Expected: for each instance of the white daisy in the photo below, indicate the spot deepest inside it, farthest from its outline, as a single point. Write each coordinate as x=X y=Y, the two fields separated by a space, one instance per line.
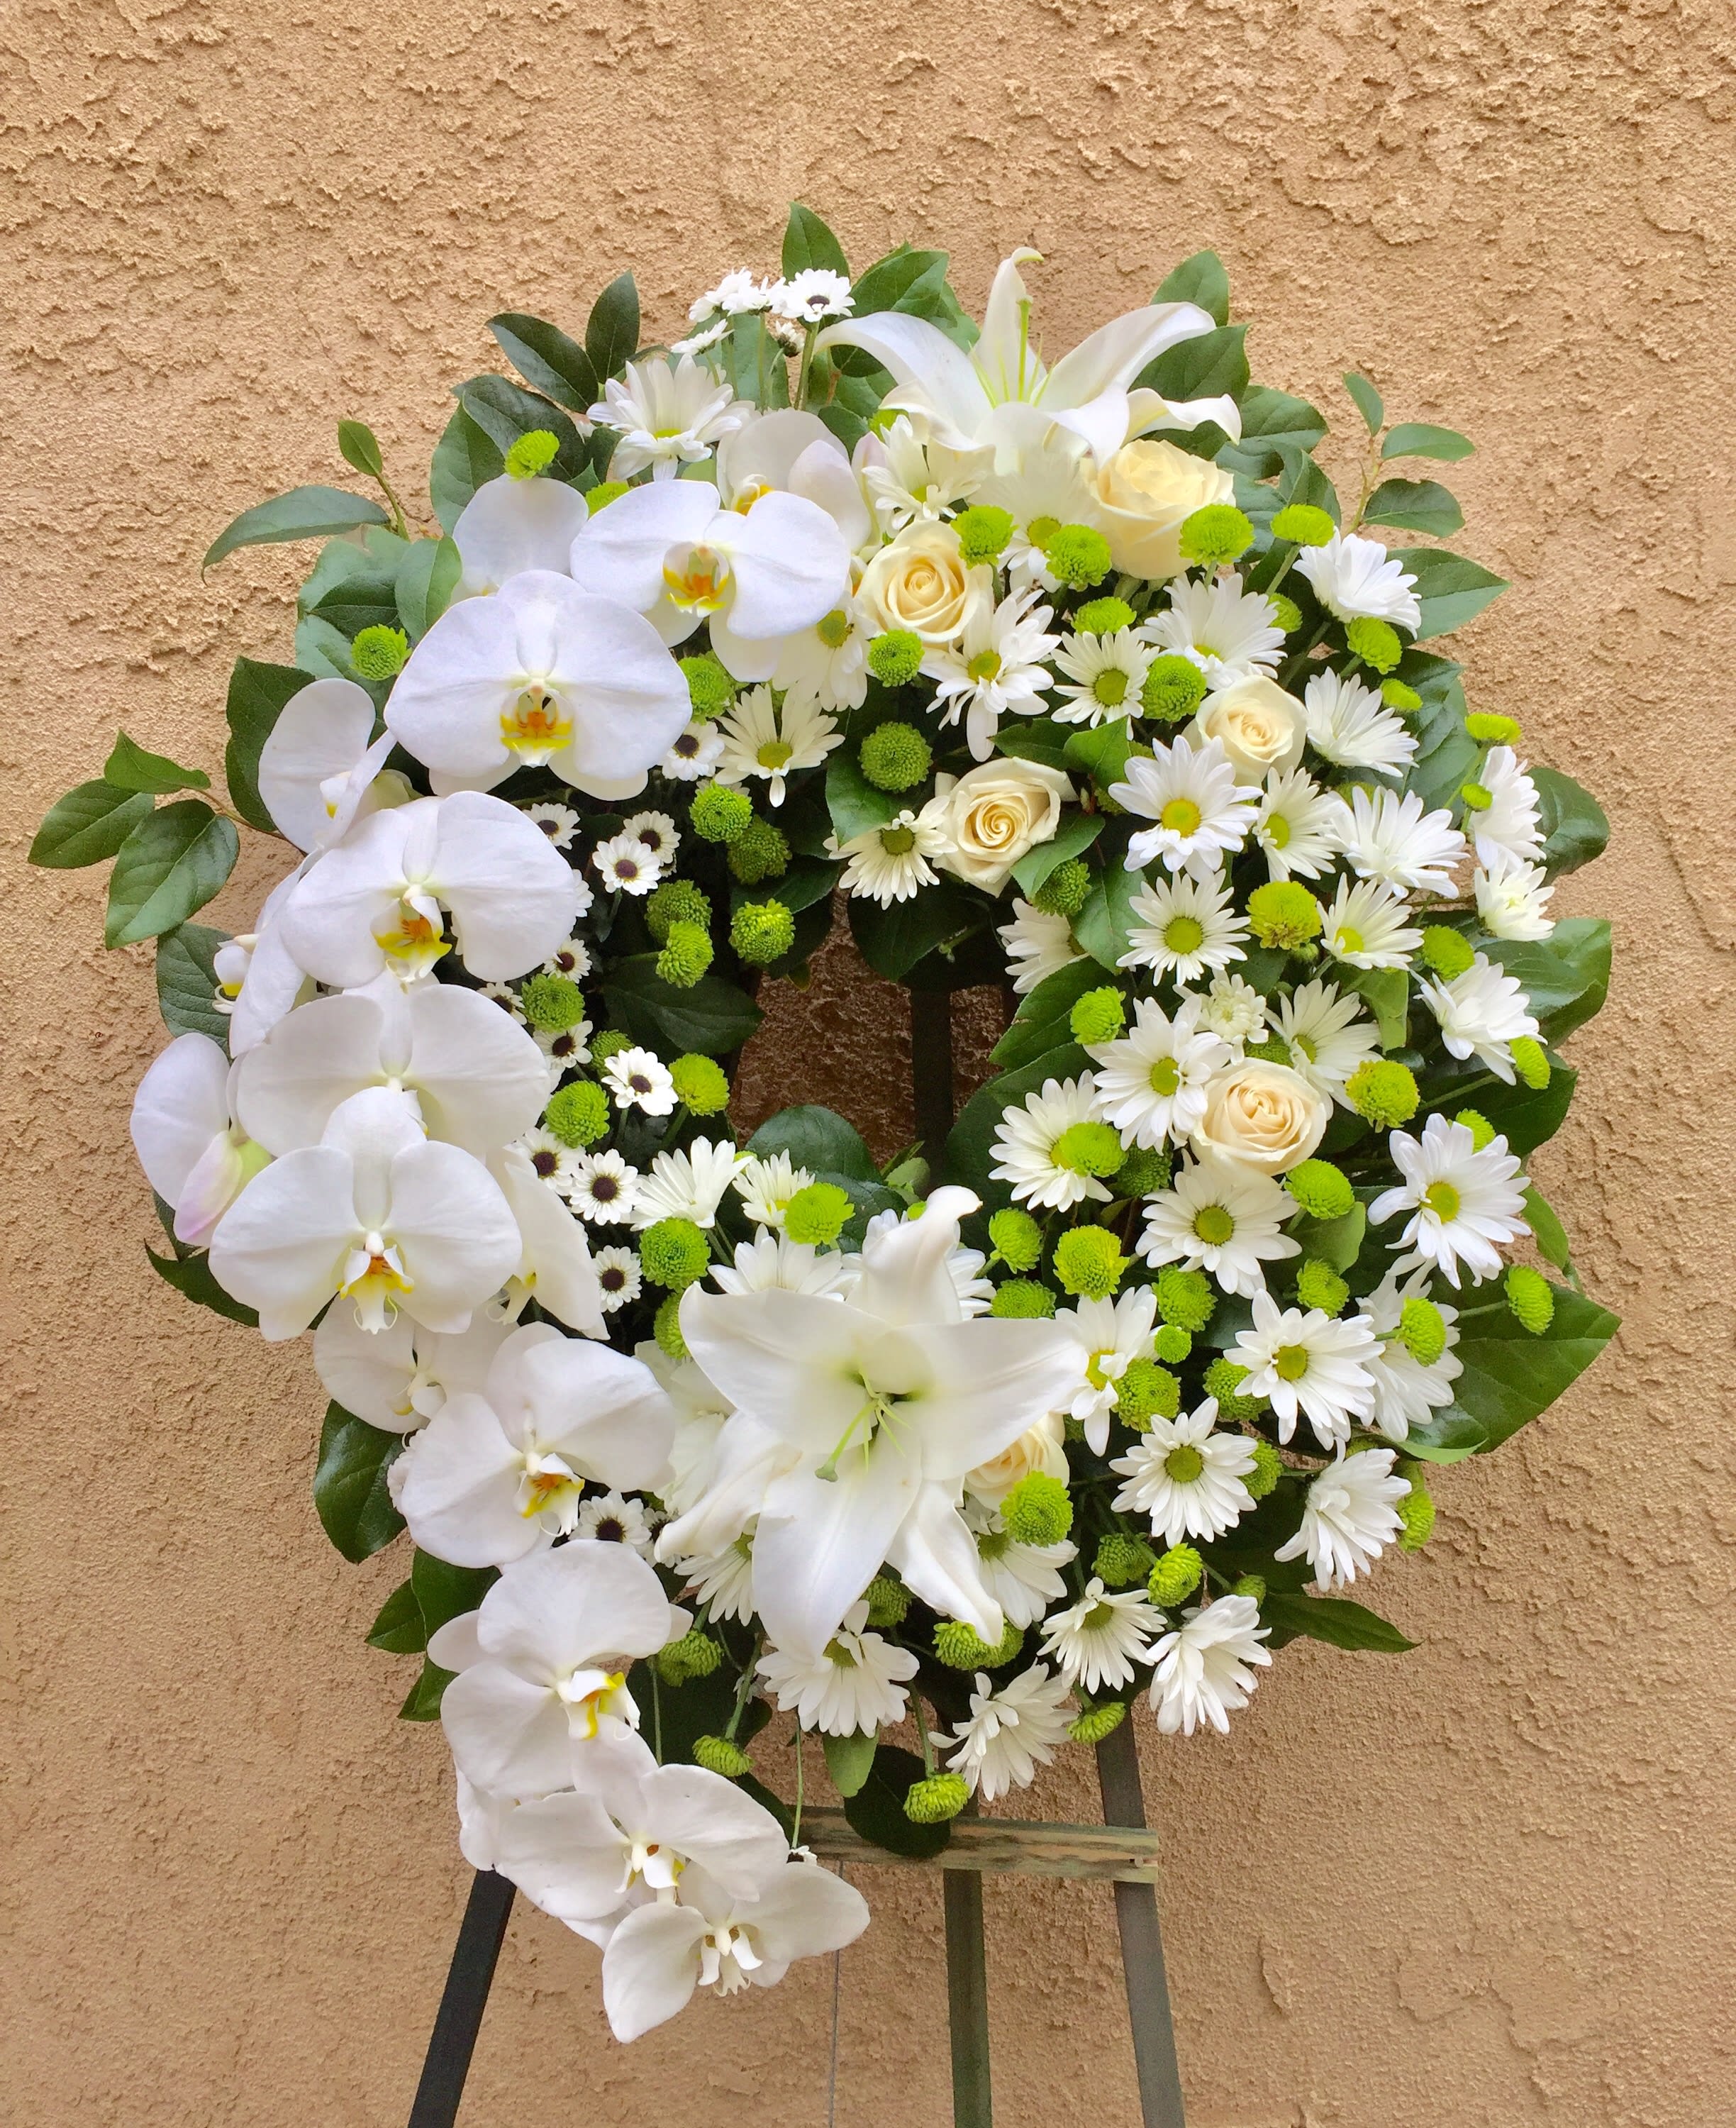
x=1030 y=1137
x=1481 y=1014
x=1233 y=1010
x=695 y=753
x=1101 y=1640
x=1151 y=1083
x=624 y=865
x=618 y=1277
x=1299 y=826
x=735 y=293
x=688 y=1185
x=1037 y=943
x=909 y=478
x=1353 y=577
x=995 y=667
x=1349 y=1518
x=857 y=1683
x=611 y=1518
x=1305 y=1362
x=1222 y=1217
x=1511 y=821
x=556 y=1164
x=965 y=1268
x=767 y=1184
x=772 y=1262
x=1327 y=1036
x=1110 y=1335
x=505 y=996
x=667 y=416
x=1391 y=838
x=1204 y=1670
x=1187 y=1476
x=559 y=822
x=892 y=864
x=603 y=1188
x=722 y=1581
x=696 y=343
x=1349 y=723
x=1103 y=677
x=1202 y=814
x=1365 y=927
x=1012 y=1731
x=566 y=1047
x=1512 y=897
x=1463 y=1203
x=658 y=834
x=762 y=740
x=1406 y=1392
x=1230 y=633
x=1184 y=928
x=827 y=663
x=639 y=1079
x=1044 y=485
x=814 y=293
x=1023 y=1579
x=572 y=960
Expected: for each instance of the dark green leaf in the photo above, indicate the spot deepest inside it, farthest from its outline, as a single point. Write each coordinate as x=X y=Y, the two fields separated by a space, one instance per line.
x=445 y=1592
x=504 y=411
x=876 y=1811
x=1042 y=1022
x=1102 y=924
x=1034 y=739
x=1446 y=755
x=1303 y=481
x=757 y=366
x=1276 y=426
x=808 y=881
x=1575 y=827
x=1077 y=832
x=1100 y=751
x=1450 y=1436
x=304 y=513
x=892 y=940
x=547 y=360
x=612 y=330
x=1202 y=368
x=422 y=1704
x=714 y=1018
x=1525 y=1118
x=427 y=578
x=350 y=1494
x=186 y=981
x=1451 y=589
x=1566 y=978
x=1200 y=279
x=89 y=824
x=361 y=448
x=130 y=767
x=1336 y=1241
x=465 y=458
x=1422 y=439
x=855 y=805
x=1508 y=1375
x=1387 y=993
x=170 y=865
x=808 y=242
x=364 y=599
x=970 y=1148
x=849 y=1759
x=192 y=1276
x=1331 y=1618
x=1369 y=402
x=257 y=694
x=1547 y=1230
x=818 y=1139
x=399 y=1628
x=901 y=274
x=322 y=651
x=1413 y=506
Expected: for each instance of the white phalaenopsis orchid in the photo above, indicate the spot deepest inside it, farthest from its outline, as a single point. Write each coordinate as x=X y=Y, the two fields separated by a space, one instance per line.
x=258 y=979
x=887 y=1399
x=377 y=1212
x=669 y=551
x=541 y=672
x=479 y=1080
x=375 y=902
x=196 y=1157
x=495 y=1475
x=553 y=1642
x=510 y=525
x=398 y=1378
x=959 y=394
x=794 y=453
x=320 y=766
x=554 y=1266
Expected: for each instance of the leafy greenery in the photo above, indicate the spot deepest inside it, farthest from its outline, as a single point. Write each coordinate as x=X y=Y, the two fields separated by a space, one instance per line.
x=89 y=825
x=304 y=513
x=350 y=1494
x=169 y=866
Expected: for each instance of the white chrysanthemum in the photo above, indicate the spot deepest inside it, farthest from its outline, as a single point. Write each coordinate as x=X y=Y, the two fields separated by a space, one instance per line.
x=637 y=1079
x=1366 y=926
x=1151 y=1084
x=772 y=1262
x=689 y=1184
x=1349 y=723
x=1103 y=675
x=696 y=343
x=767 y=1184
x=618 y=1277
x=1027 y=1139
x=612 y=1518
x=1187 y=1477
x=1350 y=1517
x=1013 y=1730
x=1110 y=1335
x=1205 y=1669
x=1391 y=838
x=1184 y=928
x=994 y=668
x=572 y=959
x=1481 y=1014
x=500 y=994
x=1327 y=1036
x=723 y=1581
x=1354 y=578
x=1513 y=897
x=1230 y=633
x=565 y=1048
x=813 y=294
x=603 y=1188
x=1100 y=1641
x=625 y=866
x=1511 y=821
x=1307 y=1363
x=550 y=1161
x=1299 y=826
x=1233 y=1010
x=735 y=293
x=827 y=664
x=695 y=755
x=1222 y=1217
x=909 y=478
x=1037 y=943
x=965 y=1268
x=1464 y=1205
x=1023 y=1579
x=1407 y=1391
x=857 y=1683
x=559 y=822
x=762 y=740
x=657 y=831
x=1202 y=814
x=892 y=864
x=667 y=416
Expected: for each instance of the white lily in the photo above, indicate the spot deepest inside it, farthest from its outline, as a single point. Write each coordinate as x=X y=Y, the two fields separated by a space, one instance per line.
x=195 y=1156
x=399 y=1377
x=509 y=526
x=375 y=1212
x=496 y=1475
x=554 y=1265
x=886 y=1399
x=320 y=766
x=542 y=671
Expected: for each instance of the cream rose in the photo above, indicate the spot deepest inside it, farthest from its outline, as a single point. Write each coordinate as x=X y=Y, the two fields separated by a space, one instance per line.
x=1143 y=494
x=1040 y=1448
x=919 y=581
x=992 y=815
x=1265 y=1116
x=1260 y=727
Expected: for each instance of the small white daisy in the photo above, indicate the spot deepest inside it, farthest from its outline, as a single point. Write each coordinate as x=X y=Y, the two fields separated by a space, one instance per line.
x=603 y=1189
x=1464 y=1205
x=827 y=664
x=1103 y=675
x=1327 y=1036
x=1481 y=1014
x=909 y=479
x=763 y=740
x=1184 y=928
x=1350 y=1517
x=737 y=293
x=1365 y=927
x=1407 y=1392
x=814 y=293
x=572 y=960
x=667 y=415
x=1307 y=1363
x=697 y=343
x=766 y=1186
x=1391 y=838
x=618 y=1277
x=689 y=1184
x=505 y=996
x=1037 y=943
x=1187 y=1476
x=1151 y=1083
x=559 y=822
x=1354 y=578
x=995 y=669
x=1110 y=1335
x=638 y=1080
x=695 y=753
x=1099 y=1641
x=658 y=834
x=1513 y=897
x=1023 y=1579
x=723 y=1581
x=555 y=1163
x=1349 y=723
x=1299 y=826
x=1202 y=814
x=1222 y=1217
x=892 y=864
x=1031 y=1146
x=1233 y=1010
x=1230 y=633
x=772 y=1262
x=611 y=1518
x=625 y=866
x=1510 y=821
x=1012 y=1731
x=1205 y=1669
x=566 y=1047
x=856 y=1682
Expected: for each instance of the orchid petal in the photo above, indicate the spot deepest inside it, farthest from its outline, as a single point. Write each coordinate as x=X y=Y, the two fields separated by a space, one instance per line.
x=823 y=475
x=652 y=1966
x=571 y=1608
x=745 y=660
x=274 y=981
x=322 y=732
x=510 y=525
x=368 y=1372
x=512 y=894
x=458 y=1238
x=554 y=1257
x=218 y=1176
x=804 y=1912
x=703 y=1814
x=508 y=1734
x=565 y=1856
x=601 y=1410
x=322 y=1053
x=790 y=565
x=328 y=922
x=479 y=1077
x=281 y=1246
x=459 y=1492
x=763 y=453
x=182 y=1105
x=454 y=1646
x=620 y=553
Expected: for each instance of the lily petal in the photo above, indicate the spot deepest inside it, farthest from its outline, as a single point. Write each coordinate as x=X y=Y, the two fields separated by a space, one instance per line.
x=919 y=355
x=820 y=1542
x=1110 y=359
x=936 y=1555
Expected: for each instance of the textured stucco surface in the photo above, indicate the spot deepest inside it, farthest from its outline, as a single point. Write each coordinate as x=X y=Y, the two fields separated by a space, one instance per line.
x=1488 y=1883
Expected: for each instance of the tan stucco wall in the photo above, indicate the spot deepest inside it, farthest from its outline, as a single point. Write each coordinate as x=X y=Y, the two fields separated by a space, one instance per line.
x=1490 y=1884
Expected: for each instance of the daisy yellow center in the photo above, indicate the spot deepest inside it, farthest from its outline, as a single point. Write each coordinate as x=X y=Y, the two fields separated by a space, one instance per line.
x=1278 y=832
x=1184 y=934
x=1165 y=1076
x=837 y=1653
x=1110 y=687
x=1094 y=1373
x=775 y=754
x=696 y=578
x=1213 y=1225
x=1291 y=1362
x=1442 y=1199
x=834 y=631
x=535 y=727
x=1181 y=816
x=986 y=665
x=993 y=1544
x=1184 y=1464
x=898 y=842
x=1097 y=1616
x=1347 y=940
x=1306 y=1044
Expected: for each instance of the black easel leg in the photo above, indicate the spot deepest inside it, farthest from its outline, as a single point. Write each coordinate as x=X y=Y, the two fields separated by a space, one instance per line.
x=1142 y=1944
x=462 y=2002
x=931 y=1070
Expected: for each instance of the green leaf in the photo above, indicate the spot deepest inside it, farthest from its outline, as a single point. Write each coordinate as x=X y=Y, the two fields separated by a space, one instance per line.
x=257 y=694
x=1200 y=279
x=1508 y=1375
x=612 y=330
x=849 y=1759
x=1450 y=1436
x=170 y=865
x=304 y=513
x=504 y=411
x=714 y=1018
x=427 y=578
x=1525 y=1118
x=1100 y=751
x=1102 y=926
x=1336 y=1241
x=808 y=242
x=818 y=1139
x=1575 y=827
x=757 y=368
x=1413 y=506
x=1276 y=427
x=322 y=651
x=1387 y=992
x=445 y=1592
x=191 y=1275
x=904 y=280
x=1422 y=439
x=876 y=1811
x=89 y=824
x=361 y=448
x=364 y=599
x=1547 y=1230
x=1077 y=832
x=130 y=767
x=1034 y=739
x=702 y=1707
x=1202 y=368
x=1303 y=481
x=350 y=1494
x=1446 y=754
x=808 y=881
x=1566 y=978
x=854 y=804
x=547 y=360
x=970 y=1148
x=1331 y=1618
x=465 y=458
x=186 y=981
x=422 y=1704
x=936 y=919
x=399 y=1629
x=1368 y=402
x=1450 y=589
x=1043 y=1022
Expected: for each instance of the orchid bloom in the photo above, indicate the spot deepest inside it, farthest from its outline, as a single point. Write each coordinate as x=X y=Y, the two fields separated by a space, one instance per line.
x=542 y=671
x=510 y=525
x=195 y=1156
x=554 y=1266
x=959 y=395
x=794 y=453
x=320 y=764
x=887 y=1398
x=376 y=1213
x=553 y=1642
x=495 y=1475
x=258 y=979
x=398 y=1378
x=479 y=1080
x=669 y=551
x=374 y=903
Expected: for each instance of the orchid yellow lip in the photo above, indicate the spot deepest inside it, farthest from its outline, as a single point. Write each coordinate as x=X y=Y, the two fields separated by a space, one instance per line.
x=696 y=578
x=536 y=727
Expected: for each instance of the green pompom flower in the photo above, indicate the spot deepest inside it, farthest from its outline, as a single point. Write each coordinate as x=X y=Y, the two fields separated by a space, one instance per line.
x=1016 y=1239
x=895 y=658
x=604 y=493
x=1322 y=1190
x=1384 y=1092
x=1066 y=889
x=1146 y=1168
x=1171 y=1343
x=667 y=1328
x=983 y=532
x=1214 y=536
x=701 y=1084
x=1175 y=1576
x=1530 y=1298
x=1172 y=689
x=934 y=1800
x=1303 y=526
x=1477 y=797
x=717 y=1755
x=889 y=1602
x=760 y=931
x=1186 y=1297
x=1422 y=1330
x=1038 y=1511
x=817 y=1214
x=1251 y=1585
x=1021 y=1300
x=1121 y=1560
x=694 y=1654
x=675 y=902
x=552 y=1003
x=720 y=813
x=1448 y=952
x=1103 y=616
x=1481 y=1130
x=1318 y=1285
x=609 y=1043
x=675 y=1253
x=1489 y=730
x=379 y=652
x=1416 y=1513
x=577 y=1113
x=686 y=954
x=1396 y=696
x=1093 y=1149
x=1088 y=1262
x=1146 y=1391
x=1078 y=556
x=1100 y=1015
x=1529 y=1062
x=1286 y=613
x=1284 y=914
x=960 y=1646
x=527 y=455
x=759 y=852
x=710 y=688
x=895 y=757
x=1268 y=1467
x=1098 y=1722
x=1377 y=642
